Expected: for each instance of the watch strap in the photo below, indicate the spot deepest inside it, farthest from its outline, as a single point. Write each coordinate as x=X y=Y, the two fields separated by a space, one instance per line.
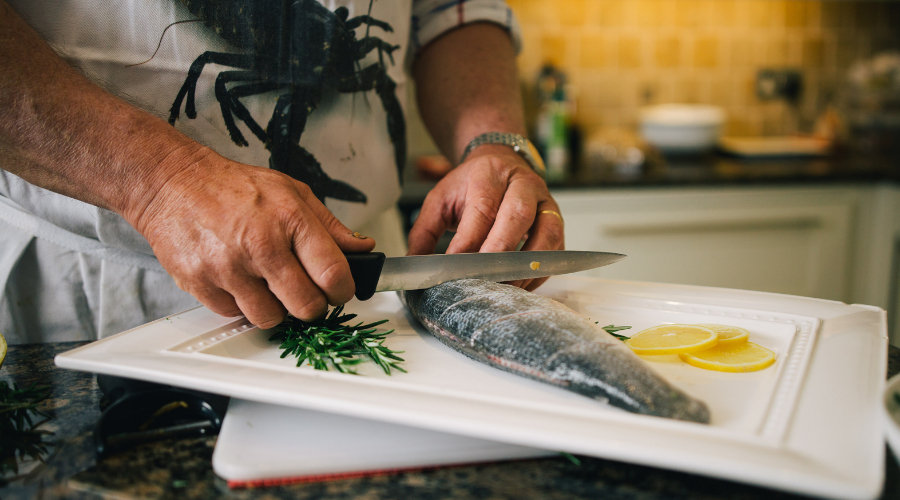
x=518 y=143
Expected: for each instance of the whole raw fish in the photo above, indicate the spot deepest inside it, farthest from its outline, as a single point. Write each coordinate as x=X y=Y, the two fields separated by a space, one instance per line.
x=535 y=336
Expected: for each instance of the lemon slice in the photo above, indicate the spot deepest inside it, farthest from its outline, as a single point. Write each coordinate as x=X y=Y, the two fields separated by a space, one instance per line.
x=746 y=357
x=2 y=349
x=672 y=339
x=729 y=335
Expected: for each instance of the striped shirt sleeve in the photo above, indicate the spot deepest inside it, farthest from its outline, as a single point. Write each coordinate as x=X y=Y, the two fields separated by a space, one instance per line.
x=432 y=18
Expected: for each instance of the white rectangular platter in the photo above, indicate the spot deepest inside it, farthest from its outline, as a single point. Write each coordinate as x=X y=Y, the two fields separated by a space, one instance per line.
x=808 y=424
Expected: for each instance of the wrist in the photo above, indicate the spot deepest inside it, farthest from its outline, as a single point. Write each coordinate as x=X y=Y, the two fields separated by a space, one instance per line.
x=518 y=144
x=490 y=149
x=154 y=165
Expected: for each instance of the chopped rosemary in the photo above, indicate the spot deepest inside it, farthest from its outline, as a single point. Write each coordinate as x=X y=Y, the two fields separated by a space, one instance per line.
x=20 y=438
x=610 y=329
x=328 y=342
x=571 y=458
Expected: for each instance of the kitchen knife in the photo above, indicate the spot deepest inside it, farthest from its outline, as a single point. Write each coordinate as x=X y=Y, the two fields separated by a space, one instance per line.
x=373 y=272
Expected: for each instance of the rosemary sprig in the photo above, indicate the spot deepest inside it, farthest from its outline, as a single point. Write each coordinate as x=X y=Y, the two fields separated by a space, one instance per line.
x=571 y=458
x=20 y=437
x=328 y=342
x=610 y=329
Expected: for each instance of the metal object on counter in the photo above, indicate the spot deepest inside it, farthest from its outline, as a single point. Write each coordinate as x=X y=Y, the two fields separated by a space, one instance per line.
x=870 y=104
x=616 y=152
x=141 y=412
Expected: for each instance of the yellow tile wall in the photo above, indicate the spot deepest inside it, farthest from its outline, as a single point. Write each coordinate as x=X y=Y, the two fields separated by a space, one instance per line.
x=623 y=54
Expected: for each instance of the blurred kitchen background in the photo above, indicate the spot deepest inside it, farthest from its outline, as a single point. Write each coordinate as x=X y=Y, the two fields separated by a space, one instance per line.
x=750 y=144
x=623 y=54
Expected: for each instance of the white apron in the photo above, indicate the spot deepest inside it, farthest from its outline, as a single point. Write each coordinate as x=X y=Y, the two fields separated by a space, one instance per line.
x=72 y=271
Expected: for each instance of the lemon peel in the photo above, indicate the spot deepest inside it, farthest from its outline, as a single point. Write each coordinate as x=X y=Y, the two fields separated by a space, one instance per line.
x=729 y=335
x=672 y=339
x=744 y=357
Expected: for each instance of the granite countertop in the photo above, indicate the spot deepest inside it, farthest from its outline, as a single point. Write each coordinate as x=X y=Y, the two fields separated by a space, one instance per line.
x=181 y=468
x=712 y=170
x=720 y=169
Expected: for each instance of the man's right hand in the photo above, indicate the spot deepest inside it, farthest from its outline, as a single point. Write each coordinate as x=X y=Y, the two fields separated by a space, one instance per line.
x=241 y=239
x=248 y=240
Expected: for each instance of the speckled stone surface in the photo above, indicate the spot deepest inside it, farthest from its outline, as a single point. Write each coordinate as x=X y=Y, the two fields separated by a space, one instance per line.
x=181 y=469
x=72 y=408
x=713 y=170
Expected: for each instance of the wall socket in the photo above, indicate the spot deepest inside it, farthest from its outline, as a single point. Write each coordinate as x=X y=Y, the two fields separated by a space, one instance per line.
x=784 y=84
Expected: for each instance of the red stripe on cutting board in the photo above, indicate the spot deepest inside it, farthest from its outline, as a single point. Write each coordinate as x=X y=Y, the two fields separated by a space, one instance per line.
x=318 y=478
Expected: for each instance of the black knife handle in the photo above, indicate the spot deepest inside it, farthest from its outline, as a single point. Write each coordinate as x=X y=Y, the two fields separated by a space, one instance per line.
x=366 y=269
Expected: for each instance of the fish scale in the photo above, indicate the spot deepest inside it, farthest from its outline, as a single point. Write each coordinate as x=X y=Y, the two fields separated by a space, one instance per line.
x=536 y=337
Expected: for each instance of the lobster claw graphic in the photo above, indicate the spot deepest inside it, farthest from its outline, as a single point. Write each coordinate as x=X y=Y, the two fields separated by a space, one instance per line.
x=300 y=49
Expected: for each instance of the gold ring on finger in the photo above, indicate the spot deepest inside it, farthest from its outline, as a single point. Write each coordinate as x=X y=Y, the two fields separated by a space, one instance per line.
x=553 y=213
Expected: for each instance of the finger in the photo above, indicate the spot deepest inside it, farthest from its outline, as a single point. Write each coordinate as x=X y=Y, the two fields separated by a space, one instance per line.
x=218 y=301
x=532 y=285
x=517 y=283
x=317 y=249
x=514 y=218
x=548 y=230
x=258 y=303
x=347 y=240
x=547 y=233
x=430 y=225
x=479 y=213
x=189 y=277
x=291 y=285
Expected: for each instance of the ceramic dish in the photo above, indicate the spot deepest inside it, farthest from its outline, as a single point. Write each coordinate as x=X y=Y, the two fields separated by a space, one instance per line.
x=682 y=128
x=811 y=423
x=775 y=147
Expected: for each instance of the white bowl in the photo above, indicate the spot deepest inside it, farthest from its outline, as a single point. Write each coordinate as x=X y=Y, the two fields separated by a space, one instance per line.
x=682 y=128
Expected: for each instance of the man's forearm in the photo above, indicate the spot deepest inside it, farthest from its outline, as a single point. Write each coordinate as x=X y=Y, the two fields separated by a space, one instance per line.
x=60 y=131
x=466 y=84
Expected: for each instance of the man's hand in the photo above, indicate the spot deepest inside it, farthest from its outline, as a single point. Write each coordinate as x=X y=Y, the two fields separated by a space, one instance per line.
x=241 y=239
x=249 y=240
x=493 y=200
x=466 y=85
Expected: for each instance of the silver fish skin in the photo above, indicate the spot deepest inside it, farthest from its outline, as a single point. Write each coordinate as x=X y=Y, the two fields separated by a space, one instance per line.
x=537 y=337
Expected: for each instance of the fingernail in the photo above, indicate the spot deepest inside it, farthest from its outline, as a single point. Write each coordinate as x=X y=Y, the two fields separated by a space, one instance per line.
x=358 y=236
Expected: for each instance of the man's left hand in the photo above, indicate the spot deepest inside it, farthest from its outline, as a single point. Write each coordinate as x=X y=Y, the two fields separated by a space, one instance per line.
x=493 y=201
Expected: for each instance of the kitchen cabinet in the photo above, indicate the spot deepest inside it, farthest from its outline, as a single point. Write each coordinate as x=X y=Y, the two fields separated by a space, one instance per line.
x=832 y=242
x=878 y=255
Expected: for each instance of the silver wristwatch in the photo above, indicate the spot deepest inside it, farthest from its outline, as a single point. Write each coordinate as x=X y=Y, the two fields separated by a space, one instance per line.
x=519 y=144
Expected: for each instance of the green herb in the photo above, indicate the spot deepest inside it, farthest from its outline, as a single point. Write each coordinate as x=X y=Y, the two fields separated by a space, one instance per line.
x=328 y=342
x=571 y=458
x=610 y=329
x=20 y=438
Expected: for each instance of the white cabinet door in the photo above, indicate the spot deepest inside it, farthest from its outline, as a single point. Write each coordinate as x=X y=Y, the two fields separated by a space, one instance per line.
x=877 y=254
x=794 y=241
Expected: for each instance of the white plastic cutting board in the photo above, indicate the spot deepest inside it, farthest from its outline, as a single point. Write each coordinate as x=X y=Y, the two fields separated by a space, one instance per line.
x=264 y=444
x=808 y=424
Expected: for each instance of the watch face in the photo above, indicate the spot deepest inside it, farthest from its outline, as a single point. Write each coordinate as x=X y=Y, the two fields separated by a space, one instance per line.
x=538 y=161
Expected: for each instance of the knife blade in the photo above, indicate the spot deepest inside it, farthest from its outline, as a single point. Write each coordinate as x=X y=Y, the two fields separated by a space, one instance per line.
x=373 y=272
